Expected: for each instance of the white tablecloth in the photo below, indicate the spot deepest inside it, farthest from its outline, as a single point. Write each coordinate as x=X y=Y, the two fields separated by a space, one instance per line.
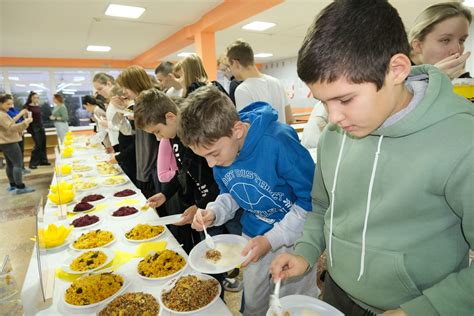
x=31 y=287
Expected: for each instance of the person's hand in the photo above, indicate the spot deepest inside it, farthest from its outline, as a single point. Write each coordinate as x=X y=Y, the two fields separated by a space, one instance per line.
x=28 y=120
x=395 y=312
x=113 y=160
x=118 y=102
x=109 y=150
x=23 y=112
x=287 y=265
x=157 y=200
x=52 y=118
x=203 y=218
x=259 y=246
x=454 y=65
x=130 y=117
x=187 y=216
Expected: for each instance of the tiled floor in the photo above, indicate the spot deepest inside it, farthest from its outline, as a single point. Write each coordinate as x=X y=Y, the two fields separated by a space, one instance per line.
x=17 y=225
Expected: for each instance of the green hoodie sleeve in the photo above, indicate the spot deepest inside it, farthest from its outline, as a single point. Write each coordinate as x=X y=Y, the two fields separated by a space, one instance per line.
x=454 y=294
x=312 y=244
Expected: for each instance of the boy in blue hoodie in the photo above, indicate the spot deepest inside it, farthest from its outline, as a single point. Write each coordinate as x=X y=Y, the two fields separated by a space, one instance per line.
x=261 y=167
x=393 y=200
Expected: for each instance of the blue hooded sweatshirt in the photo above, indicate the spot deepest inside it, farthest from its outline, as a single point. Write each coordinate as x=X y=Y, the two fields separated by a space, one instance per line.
x=272 y=172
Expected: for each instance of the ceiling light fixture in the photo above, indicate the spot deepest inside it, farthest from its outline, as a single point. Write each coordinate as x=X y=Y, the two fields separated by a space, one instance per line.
x=124 y=11
x=184 y=54
x=78 y=79
x=263 y=55
x=258 y=26
x=20 y=85
x=95 y=48
x=14 y=78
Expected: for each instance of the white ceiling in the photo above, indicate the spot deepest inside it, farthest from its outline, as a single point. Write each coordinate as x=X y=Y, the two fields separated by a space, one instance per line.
x=63 y=28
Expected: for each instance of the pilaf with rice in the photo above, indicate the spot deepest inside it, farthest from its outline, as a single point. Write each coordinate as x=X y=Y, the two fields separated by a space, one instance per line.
x=88 y=260
x=132 y=304
x=93 y=239
x=93 y=288
x=190 y=294
x=144 y=231
x=161 y=264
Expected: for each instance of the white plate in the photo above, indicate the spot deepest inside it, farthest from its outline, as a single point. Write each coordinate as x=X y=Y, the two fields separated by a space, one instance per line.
x=166 y=220
x=125 y=285
x=125 y=180
x=123 y=217
x=125 y=197
x=66 y=204
x=71 y=245
x=126 y=230
x=230 y=247
x=302 y=305
x=170 y=284
x=88 y=226
x=66 y=264
x=177 y=273
x=117 y=172
x=102 y=157
x=86 y=189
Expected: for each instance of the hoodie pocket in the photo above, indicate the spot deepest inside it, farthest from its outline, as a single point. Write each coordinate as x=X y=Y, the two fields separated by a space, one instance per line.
x=385 y=283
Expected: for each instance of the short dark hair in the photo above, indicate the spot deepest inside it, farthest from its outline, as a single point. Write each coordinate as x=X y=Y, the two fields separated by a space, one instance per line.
x=241 y=51
x=206 y=115
x=4 y=97
x=164 y=68
x=352 y=39
x=89 y=99
x=151 y=108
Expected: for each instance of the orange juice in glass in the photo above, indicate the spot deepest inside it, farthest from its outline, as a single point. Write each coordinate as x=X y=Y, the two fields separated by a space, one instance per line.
x=464 y=87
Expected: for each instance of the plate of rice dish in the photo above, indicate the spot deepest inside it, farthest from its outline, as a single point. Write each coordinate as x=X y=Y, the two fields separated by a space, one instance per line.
x=115 y=181
x=144 y=232
x=93 y=239
x=88 y=261
x=160 y=265
x=92 y=290
x=190 y=293
x=132 y=304
x=86 y=221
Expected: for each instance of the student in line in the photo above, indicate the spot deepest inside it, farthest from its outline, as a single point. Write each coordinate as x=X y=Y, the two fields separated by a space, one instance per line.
x=169 y=83
x=97 y=115
x=14 y=113
x=393 y=191
x=438 y=38
x=10 y=136
x=261 y=167
x=256 y=86
x=39 y=156
x=60 y=117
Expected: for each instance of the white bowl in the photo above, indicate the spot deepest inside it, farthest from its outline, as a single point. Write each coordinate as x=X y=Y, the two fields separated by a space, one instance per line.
x=230 y=247
x=298 y=305
x=66 y=264
x=71 y=245
x=170 y=284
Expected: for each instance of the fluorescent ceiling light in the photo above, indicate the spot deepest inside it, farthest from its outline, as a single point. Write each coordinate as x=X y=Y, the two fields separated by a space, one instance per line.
x=468 y=3
x=39 y=85
x=78 y=79
x=20 y=85
x=68 y=92
x=124 y=11
x=263 y=55
x=258 y=26
x=14 y=78
x=184 y=54
x=95 y=48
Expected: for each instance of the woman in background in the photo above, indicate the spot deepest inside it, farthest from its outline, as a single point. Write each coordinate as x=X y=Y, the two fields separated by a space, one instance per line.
x=36 y=129
x=10 y=136
x=194 y=75
x=60 y=117
x=438 y=37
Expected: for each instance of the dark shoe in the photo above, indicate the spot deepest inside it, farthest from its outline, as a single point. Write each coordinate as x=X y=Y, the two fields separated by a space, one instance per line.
x=25 y=190
x=33 y=167
x=232 y=285
x=45 y=163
